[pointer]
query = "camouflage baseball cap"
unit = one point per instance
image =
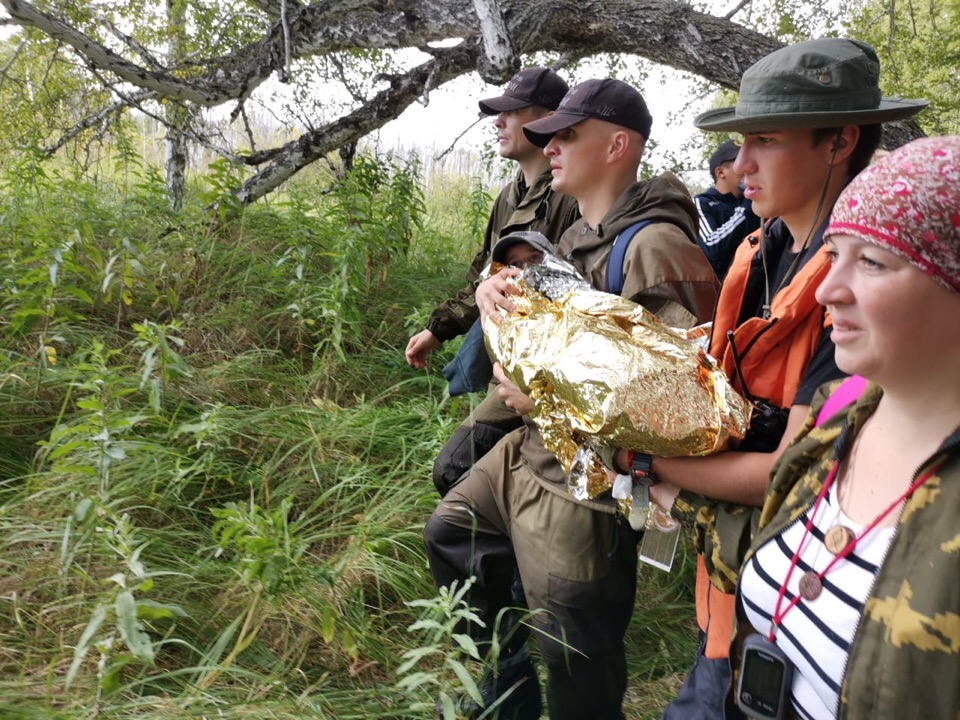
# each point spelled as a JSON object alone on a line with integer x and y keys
{"x": 829, "y": 82}
{"x": 532, "y": 86}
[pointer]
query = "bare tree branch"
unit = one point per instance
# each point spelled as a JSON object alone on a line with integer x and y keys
{"x": 131, "y": 43}
{"x": 9, "y": 64}
{"x": 95, "y": 120}
{"x": 385, "y": 106}
{"x": 739, "y": 6}
{"x": 471, "y": 126}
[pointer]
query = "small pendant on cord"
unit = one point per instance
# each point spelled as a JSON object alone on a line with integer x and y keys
{"x": 837, "y": 538}
{"x": 810, "y": 585}
{"x": 766, "y": 312}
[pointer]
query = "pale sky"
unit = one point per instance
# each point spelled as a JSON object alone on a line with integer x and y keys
{"x": 453, "y": 108}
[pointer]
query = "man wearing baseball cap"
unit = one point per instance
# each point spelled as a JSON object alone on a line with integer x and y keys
{"x": 577, "y": 559}
{"x": 726, "y": 216}
{"x": 810, "y": 117}
{"x": 527, "y": 203}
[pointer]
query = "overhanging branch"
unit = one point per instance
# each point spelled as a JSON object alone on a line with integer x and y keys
{"x": 96, "y": 119}
{"x": 383, "y": 107}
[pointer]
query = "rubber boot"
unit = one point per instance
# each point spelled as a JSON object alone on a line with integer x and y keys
{"x": 514, "y": 684}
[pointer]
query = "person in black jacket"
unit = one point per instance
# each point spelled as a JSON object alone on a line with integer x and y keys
{"x": 726, "y": 217}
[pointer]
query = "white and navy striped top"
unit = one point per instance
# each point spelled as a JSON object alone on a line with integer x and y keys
{"x": 815, "y": 634}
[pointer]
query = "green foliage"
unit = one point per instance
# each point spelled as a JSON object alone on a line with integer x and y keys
{"x": 91, "y": 443}
{"x": 265, "y": 543}
{"x": 160, "y": 361}
{"x": 338, "y": 258}
{"x": 221, "y": 181}
{"x": 120, "y": 619}
{"x": 919, "y": 51}
{"x": 438, "y": 638}
{"x": 214, "y": 459}
{"x": 44, "y": 92}
{"x": 479, "y": 203}
{"x": 52, "y": 101}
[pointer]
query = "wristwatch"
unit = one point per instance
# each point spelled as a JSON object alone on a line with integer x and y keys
{"x": 641, "y": 469}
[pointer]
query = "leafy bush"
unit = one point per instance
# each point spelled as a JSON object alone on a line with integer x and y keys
{"x": 214, "y": 458}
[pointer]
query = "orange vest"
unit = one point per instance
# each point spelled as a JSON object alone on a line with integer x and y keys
{"x": 774, "y": 355}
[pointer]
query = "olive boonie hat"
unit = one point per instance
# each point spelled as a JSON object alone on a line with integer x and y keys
{"x": 534, "y": 239}
{"x": 532, "y": 86}
{"x": 828, "y": 82}
{"x": 608, "y": 99}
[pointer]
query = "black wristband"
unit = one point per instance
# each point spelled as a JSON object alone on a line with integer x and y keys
{"x": 641, "y": 469}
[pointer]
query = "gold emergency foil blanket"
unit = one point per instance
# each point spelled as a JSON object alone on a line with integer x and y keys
{"x": 603, "y": 370}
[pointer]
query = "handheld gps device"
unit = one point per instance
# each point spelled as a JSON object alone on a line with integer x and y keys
{"x": 765, "y": 675}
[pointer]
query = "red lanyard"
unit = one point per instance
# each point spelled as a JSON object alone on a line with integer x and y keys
{"x": 777, "y": 615}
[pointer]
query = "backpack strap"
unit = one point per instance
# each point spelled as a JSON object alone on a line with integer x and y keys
{"x": 845, "y": 394}
{"x": 618, "y": 253}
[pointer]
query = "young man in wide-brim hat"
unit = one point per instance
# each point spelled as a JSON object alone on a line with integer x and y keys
{"x": 809, "y": 116}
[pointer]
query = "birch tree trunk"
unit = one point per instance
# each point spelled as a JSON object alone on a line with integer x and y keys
{"x": 175, "y": 142}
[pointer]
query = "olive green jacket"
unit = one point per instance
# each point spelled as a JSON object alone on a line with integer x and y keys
{"x": 905, "y": 658}
{"x": 664, "y": 270}
{"x": 540, "y": 209}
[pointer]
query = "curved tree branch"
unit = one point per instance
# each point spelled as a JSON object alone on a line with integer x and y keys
{"x": 667, "y": 32}
{"x": 385, "y": 106}
{"x": 96, "y": 119}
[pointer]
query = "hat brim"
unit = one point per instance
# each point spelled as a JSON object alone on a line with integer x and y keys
{"x": 540, "y": 131}
{"x": 726, "y": 119}
{"x": 504, "y": 103}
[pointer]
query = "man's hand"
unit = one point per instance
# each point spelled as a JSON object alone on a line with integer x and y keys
{"x": 421, "y": 345}
{"x": 495, "y": 292}
{"x": 664, "y": 494}
{"x": 512, "y": 396}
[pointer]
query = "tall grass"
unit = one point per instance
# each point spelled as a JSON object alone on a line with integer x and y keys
{"x": 214, "y": 461}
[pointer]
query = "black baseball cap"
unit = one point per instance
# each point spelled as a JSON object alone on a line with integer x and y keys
{"x": 607, "y": 99}
{"x": 532, "y": 86}
{"x": 725, "y": 153}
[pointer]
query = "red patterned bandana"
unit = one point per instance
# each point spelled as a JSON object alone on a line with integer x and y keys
{"x": 909, "y": 203}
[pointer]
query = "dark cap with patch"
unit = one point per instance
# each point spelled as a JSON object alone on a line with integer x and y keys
{"x": 532, "y": 86}
{"x": 607, "y": 99}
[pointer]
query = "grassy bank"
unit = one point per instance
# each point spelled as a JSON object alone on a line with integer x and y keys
{"x": 214, "y": 459}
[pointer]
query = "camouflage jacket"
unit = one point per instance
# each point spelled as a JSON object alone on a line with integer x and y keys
{"x": 539, "y": 209}
{"x": 905, "y": 657}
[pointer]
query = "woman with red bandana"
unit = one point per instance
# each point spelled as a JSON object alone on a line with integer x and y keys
{"x": 849, "y": 599}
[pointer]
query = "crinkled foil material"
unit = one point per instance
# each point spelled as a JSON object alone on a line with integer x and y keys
{"x": 603, "y": 370}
